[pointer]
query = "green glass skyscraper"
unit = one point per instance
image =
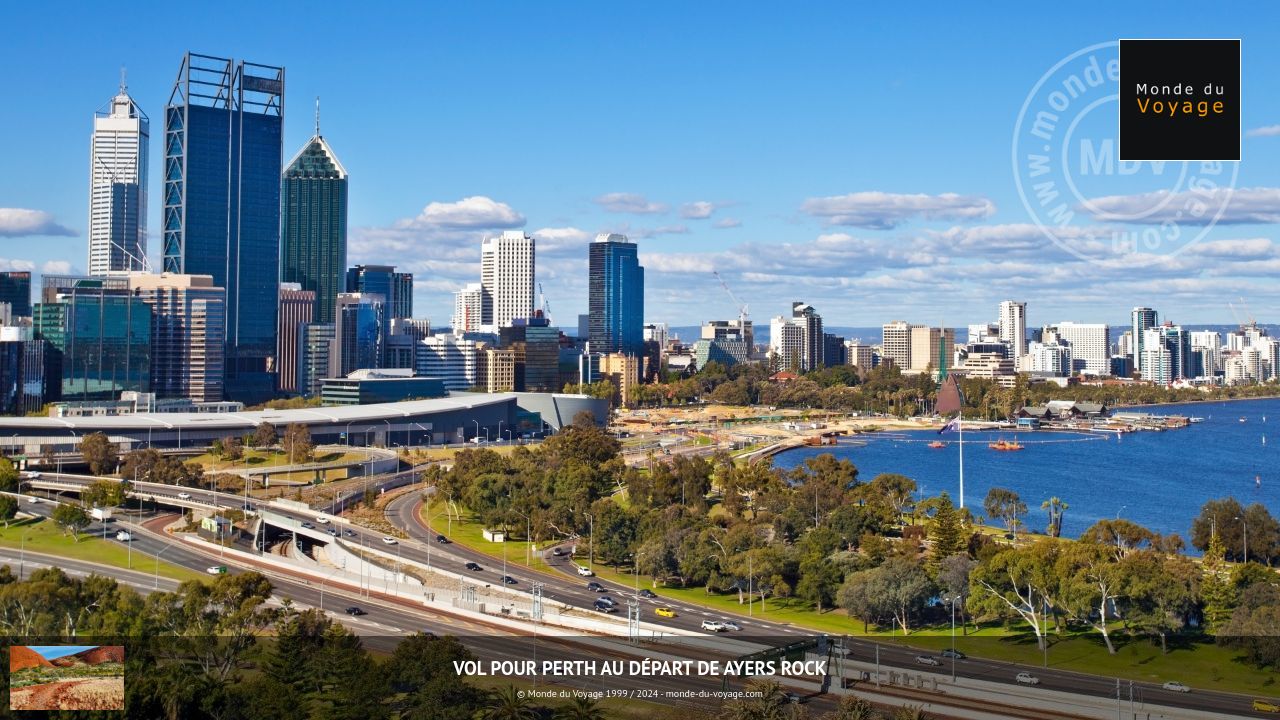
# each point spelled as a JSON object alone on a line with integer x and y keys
{"x": 313, "y": 223}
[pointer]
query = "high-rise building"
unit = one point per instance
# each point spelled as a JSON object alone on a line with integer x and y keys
{"x": 1013, "y": 327}
{"x": 15, "y": 289}
{"x": 359, "y": 335}
{"x": 222, "y": 170}
{"x": 101, "y": 332}
{"x": 931, "y": 347}
{"x": 537, "y": 354}
{"x": 188, "y": 327}
{"x": 118, "y": 186}
{"x": 1168, "y": 347}
{"x": 507, "y": 265}
{"x": 797, "y": 341}
{"x": 1141, "y": 318}
{"x": 859, "y": 354}
{"x": 623, "y": 371}
{"x": 833, "y": 351}
{"x": 657, "y": 333}
{"x": 1051, "y": 359}
{"x": 730, "y": 330}
{"x": 1208, "y": 344}
{"x": 498, "y": 370}
{"x": 313, "y": 223}
{"x": 404, "y": 340}
{"x": 297, "y": 308}
{"x": 315, "y": 347}
{"x": 615, "y": 295}
{"x": 395, "y": 289}
{"x": 895, "y": 343}
{"x": 468, "y": 308}
{"x": 1090, "y": 345}
{"x": 453, "y": 359}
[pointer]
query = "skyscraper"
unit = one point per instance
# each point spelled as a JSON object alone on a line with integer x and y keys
{"x": 15, "y": 289}
{"x": 895, "y": 347}
{"x": 615, "y": 302}
{"x": 188, "y": 327}
{"x": 468, "y": 308}
{"x": 359, "y": 335}
{"x": 313, "y": 223}
{"x": 395, "y": 290}
{"x": 315, "y": 345}
{"x": 1142, "y": 318}
{"x": 101, "y": 332}
{"x": 1013, "y": 327}
{"x": 118, "y": 186}
{"x": 506, "y": 273}
{"x": 297, "y": 308}
{"x": 222, "y": 171}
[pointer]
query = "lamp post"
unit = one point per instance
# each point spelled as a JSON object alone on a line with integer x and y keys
{"x": 324, "y": 580}
{"x": 22, "y": 555}
{"x": 591, "y": 540}
{"x": 1245, "y": 523}
{"x": 477, "y": 422}
{"x": 951, "y": 602}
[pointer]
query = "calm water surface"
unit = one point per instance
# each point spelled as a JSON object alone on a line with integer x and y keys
{"x": 1157, "y": 479}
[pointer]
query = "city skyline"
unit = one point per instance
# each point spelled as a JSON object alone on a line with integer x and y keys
{"x": 804, "y": 187}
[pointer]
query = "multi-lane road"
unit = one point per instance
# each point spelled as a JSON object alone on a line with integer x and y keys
{"x": 388, "y": 617}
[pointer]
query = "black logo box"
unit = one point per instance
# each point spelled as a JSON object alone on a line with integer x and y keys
{"x": 1187, "y": 68}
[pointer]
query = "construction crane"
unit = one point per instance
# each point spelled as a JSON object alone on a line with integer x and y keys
{"x": 742, "y": 308}
{"x": 542, "y": 300}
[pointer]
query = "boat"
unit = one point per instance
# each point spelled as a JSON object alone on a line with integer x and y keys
{"x": 1195, "y": 420}
{"x": 1244, "y": 420}
{"x": 1005, "y": 445}
{"x": 937, "y": 444}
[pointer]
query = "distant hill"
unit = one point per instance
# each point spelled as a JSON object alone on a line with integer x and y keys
{"x": 22, "y": 657}
{"x": 101, "y": 654}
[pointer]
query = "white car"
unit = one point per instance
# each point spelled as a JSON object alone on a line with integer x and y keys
{"x": 928, "y": 660}
{"x": 33, "y": 475}
{"x": 1027, "y": 678}
{"x": 1175, "y": 686}
{"x": 184, "y": 496}
{"x": 712, "y": 625}
{"x": 322, "y": 520}
{"x": 390, "y": 541}
{"x": 124, "y": 536}
{"x": 584, "y": 571}
{"x": 34, "y": 500}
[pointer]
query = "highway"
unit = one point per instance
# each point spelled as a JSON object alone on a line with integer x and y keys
{"x": 566, "y": 586}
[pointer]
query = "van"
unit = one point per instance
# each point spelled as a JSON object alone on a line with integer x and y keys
{"x": 584, "y": 571}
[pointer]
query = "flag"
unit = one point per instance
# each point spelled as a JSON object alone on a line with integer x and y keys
{"x": 952, "y": 426}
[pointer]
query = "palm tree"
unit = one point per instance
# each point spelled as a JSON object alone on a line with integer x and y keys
{"x": 853, "y": 707}
{"x": 581, "y": 708}
{"x": 910, "y": 712}
{"x": 1056, "y": 508}
{"x": 508, "y": 704}
{"x": 767, "y": 701}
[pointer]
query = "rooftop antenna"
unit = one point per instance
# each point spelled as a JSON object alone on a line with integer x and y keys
{"x": 317, "y": 116}
{"x": 123, "y": 85}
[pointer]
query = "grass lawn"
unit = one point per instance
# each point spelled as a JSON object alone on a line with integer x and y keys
{"x": 468, "y": 533}
{"x": 420, "y": 455}
{"x": 46, "y": 537}
{"x": 265, "y": 459}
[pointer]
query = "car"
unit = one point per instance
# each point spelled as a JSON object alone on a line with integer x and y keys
{"x": 308, "y": 526}
{"x": 322, "y": 519}
{"x": 216, "y": 569}
{"x": 33, "y": 475}
{"x": 927, "y": 660}
{"x": 353, "y": 610}
{"x": 34, "y": 500}
{"x": 604, "y": 607}
{"x": 1027, "y": 678}
{"x": 388, "y": 540}
{"x": 1176, "y": 686}
{"x": 584, "y": 571}
{"x": 333, "y": 532}
{"x": 712, "y": 625}
{"x": 795, "y": 698}
{"x": 606, "y": 599}
{"x": 510, "y": 580}
{"x": 1269, "y": 706}
{"x": 124, "y": 536}
{"x": 184, "y": 496}
{"x": 442, "y": 540}
{"x": 665, "y": 612}
{"x": 349, "y": 533}
{"x": 474, "y": 567}
{"x": 248, "y": 507}
{"x": 557, "y": 552}
{"x": 648, "y": 594}
{"x": 594, "y": 586}
{"x": 949, "y": 653}
{"x": 730, "y": 625}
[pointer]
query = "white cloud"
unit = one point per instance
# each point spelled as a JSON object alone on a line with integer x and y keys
{"x": 725, "y": 223}
{"x": 699, "y": 210}
{"x": 881, "y": 210}
{"x": 21, "y": 222}
{"x": 1266, "y": 131}
{"x": 561, "y": 241}
{"x": 56, "y": 267}
{"x": 1250, "y": 249}
{"x": 19, "y": 265}
{"x": 634, "y": 203}
{"x": 476, "y": 212}
{"x": 1259, "y": 205}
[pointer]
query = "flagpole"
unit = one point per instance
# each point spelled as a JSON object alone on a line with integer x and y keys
{"x": 960, "y": 424}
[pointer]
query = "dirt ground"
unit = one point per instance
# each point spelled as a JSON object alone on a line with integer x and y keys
{"x": 87, "y": 694}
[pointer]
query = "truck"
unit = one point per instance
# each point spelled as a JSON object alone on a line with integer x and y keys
{"x": 100, "y": 514}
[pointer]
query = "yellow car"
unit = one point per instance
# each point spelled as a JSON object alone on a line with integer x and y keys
{"x": 1266, "y": 706}
{"x": 665, "y": 612}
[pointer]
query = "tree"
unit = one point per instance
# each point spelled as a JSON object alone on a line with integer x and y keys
{"x": 1005, "y": 506}
{"x": 946, "y": 533}
{"x": 819, "y": 581}
{"x": 581, "y": 707}
{"x": 264, "y": 435}
{"x": 506, "y": 703}
{"x": 892, "y": 491}
{"x": 99, "y": 452}
{"x": 1160, "y": 592}
{"x": 1217, "y": 594}
{"x": 1122, "y": 535}
{"x": 9, "y": 475}
{"x": 1253, "y": 625}
{"x": 422, "y": 668}
{"x": 297, "y": 443}
{"x": 852, "y": 707}
{"x": 233, "y": 448}
{"x": 1219, "y": 516}
{"x": 1021, "y": 581}
{"x": 898, "y": 589}
{"x": 104, "y": 493}
{"x": 1090, "y": 584}
{"x": 71, "y": 518}
{"x": 1056, "y": 508}
{"x": 8, "y": 508}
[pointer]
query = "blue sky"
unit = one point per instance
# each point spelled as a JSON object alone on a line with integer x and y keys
{"x": 51, "y": 652}
{"x": 806, "y": 153}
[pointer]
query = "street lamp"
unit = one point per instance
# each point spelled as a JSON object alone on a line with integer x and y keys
{"x": 322, "y": 582}
{"x": 477, "y": 422}
{"x": 22, "y": 554}
{"x": 1245, "y": 523}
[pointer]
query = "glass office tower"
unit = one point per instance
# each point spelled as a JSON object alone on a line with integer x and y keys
{"x": 313, "y": 223}
{"x": 222, "y": 169}
{"x": 102, "y": 333}
{"x": 359, "y": 333}
{"x": 118, "y": 186}
{"x": 15, "y": 289}
{"x": 615, "y": 301}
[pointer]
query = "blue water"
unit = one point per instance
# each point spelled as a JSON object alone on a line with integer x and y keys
{"x": 1156, "y": 479}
